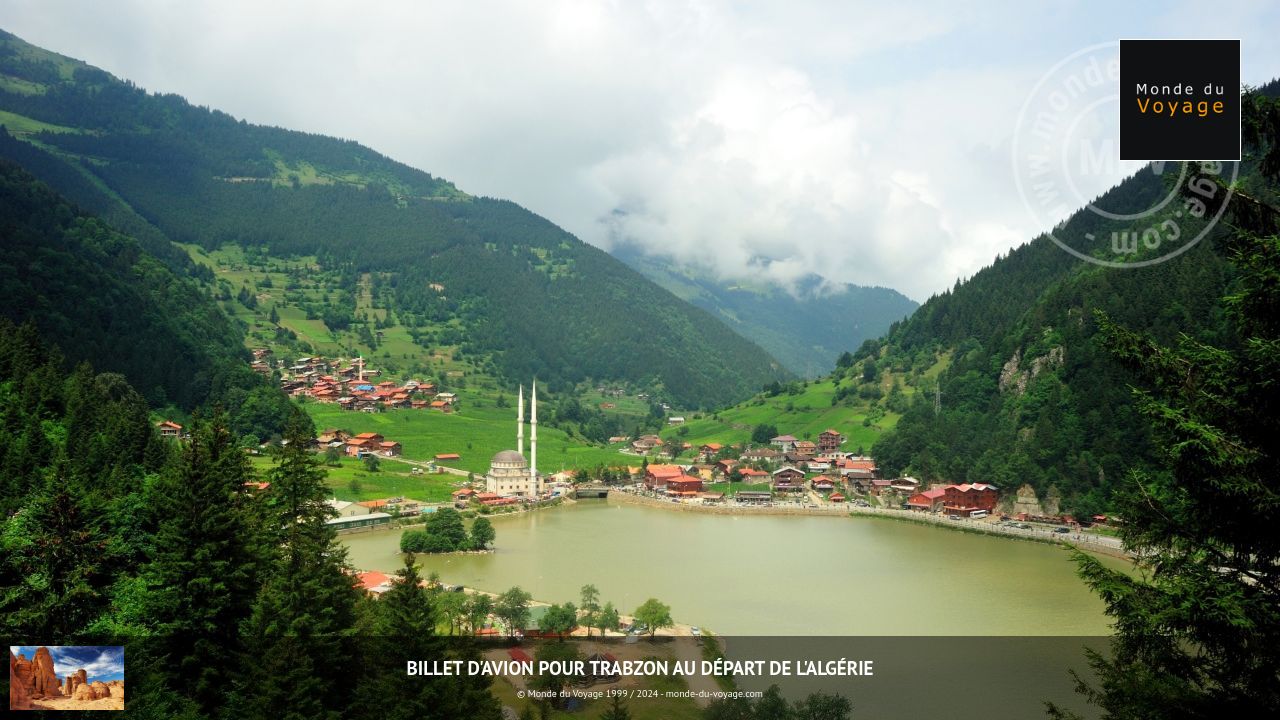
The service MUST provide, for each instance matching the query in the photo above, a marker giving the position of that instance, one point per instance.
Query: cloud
(865, 142)
(100, 662)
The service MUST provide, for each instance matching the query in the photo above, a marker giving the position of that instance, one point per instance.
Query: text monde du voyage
(1180, 99)
(648, 667)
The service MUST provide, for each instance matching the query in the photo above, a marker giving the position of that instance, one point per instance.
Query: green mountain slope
(1002, 379)
(805, 328)
(103, 298)
(525, 297)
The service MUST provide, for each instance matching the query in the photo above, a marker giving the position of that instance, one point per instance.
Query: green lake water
(775, 575)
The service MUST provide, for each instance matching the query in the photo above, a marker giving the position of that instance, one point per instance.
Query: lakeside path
(1101, 544)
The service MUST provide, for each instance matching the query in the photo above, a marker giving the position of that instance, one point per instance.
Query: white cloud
(866, 142)
(98, 663)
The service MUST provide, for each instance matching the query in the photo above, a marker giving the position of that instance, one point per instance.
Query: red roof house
(927, 501)
(656, 476)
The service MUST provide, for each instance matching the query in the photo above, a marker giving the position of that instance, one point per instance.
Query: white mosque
(509, 473)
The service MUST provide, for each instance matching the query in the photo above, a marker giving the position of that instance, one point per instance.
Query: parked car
(1062, 530)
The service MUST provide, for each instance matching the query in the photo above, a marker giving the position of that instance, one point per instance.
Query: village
(786, 473)
(350, 384)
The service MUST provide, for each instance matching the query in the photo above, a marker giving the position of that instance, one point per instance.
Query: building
(367, 521)
(788, 479)
(829, 441)
(333, 435)
(347, 509)
(358, 447)
(509, 473)
(761, 455)
(169, 429)
(907, 485)
(927, 501)
(709, 451)
(804, 447)
(797, 458)
(969, 498)
(859, 466)
(822, 483)
(390, 448)
(684, 486)
(372, 582)
(784, 443)
(645, 443)
(656, 476)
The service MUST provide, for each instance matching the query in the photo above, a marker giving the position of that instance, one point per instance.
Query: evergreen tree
(1198, 631)
(58, 564)
(204, 572)
(305, 610)
(403, 628)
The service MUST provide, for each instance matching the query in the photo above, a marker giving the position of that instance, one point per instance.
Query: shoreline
(1091, 544)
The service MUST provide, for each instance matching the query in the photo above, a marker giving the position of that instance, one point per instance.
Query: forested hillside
(530, 298)
(104, 298)
(114, 534)
(1003, 378)
(805, 326)
(1030, 394)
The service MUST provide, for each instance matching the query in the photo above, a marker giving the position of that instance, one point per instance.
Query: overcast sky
(865, 142)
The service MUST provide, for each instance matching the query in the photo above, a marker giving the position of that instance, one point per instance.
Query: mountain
(1004, 378)
(99, 295)
(806, 327)
(496, 283)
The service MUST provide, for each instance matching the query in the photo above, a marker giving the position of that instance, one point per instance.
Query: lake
(775, 575)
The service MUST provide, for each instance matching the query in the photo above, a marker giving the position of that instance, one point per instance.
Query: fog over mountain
(767, 141)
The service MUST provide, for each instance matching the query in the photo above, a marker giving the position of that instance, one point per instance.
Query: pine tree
(1198, 632)
(305, 611)
(403, 627)
(57, 564)
(204, 572)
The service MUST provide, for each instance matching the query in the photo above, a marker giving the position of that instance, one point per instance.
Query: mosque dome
(509, 457)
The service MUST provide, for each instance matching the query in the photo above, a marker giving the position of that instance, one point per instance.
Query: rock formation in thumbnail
(19, 697)
(44, 681)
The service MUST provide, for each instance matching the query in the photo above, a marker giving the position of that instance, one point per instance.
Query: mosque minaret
(509, 472)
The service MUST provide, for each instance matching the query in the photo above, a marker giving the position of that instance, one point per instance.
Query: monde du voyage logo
(1180, 100)
(1174, 106)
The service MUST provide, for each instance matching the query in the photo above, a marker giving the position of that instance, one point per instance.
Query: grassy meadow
(476, 433)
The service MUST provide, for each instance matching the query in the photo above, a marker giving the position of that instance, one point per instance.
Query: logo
(1066, 157)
